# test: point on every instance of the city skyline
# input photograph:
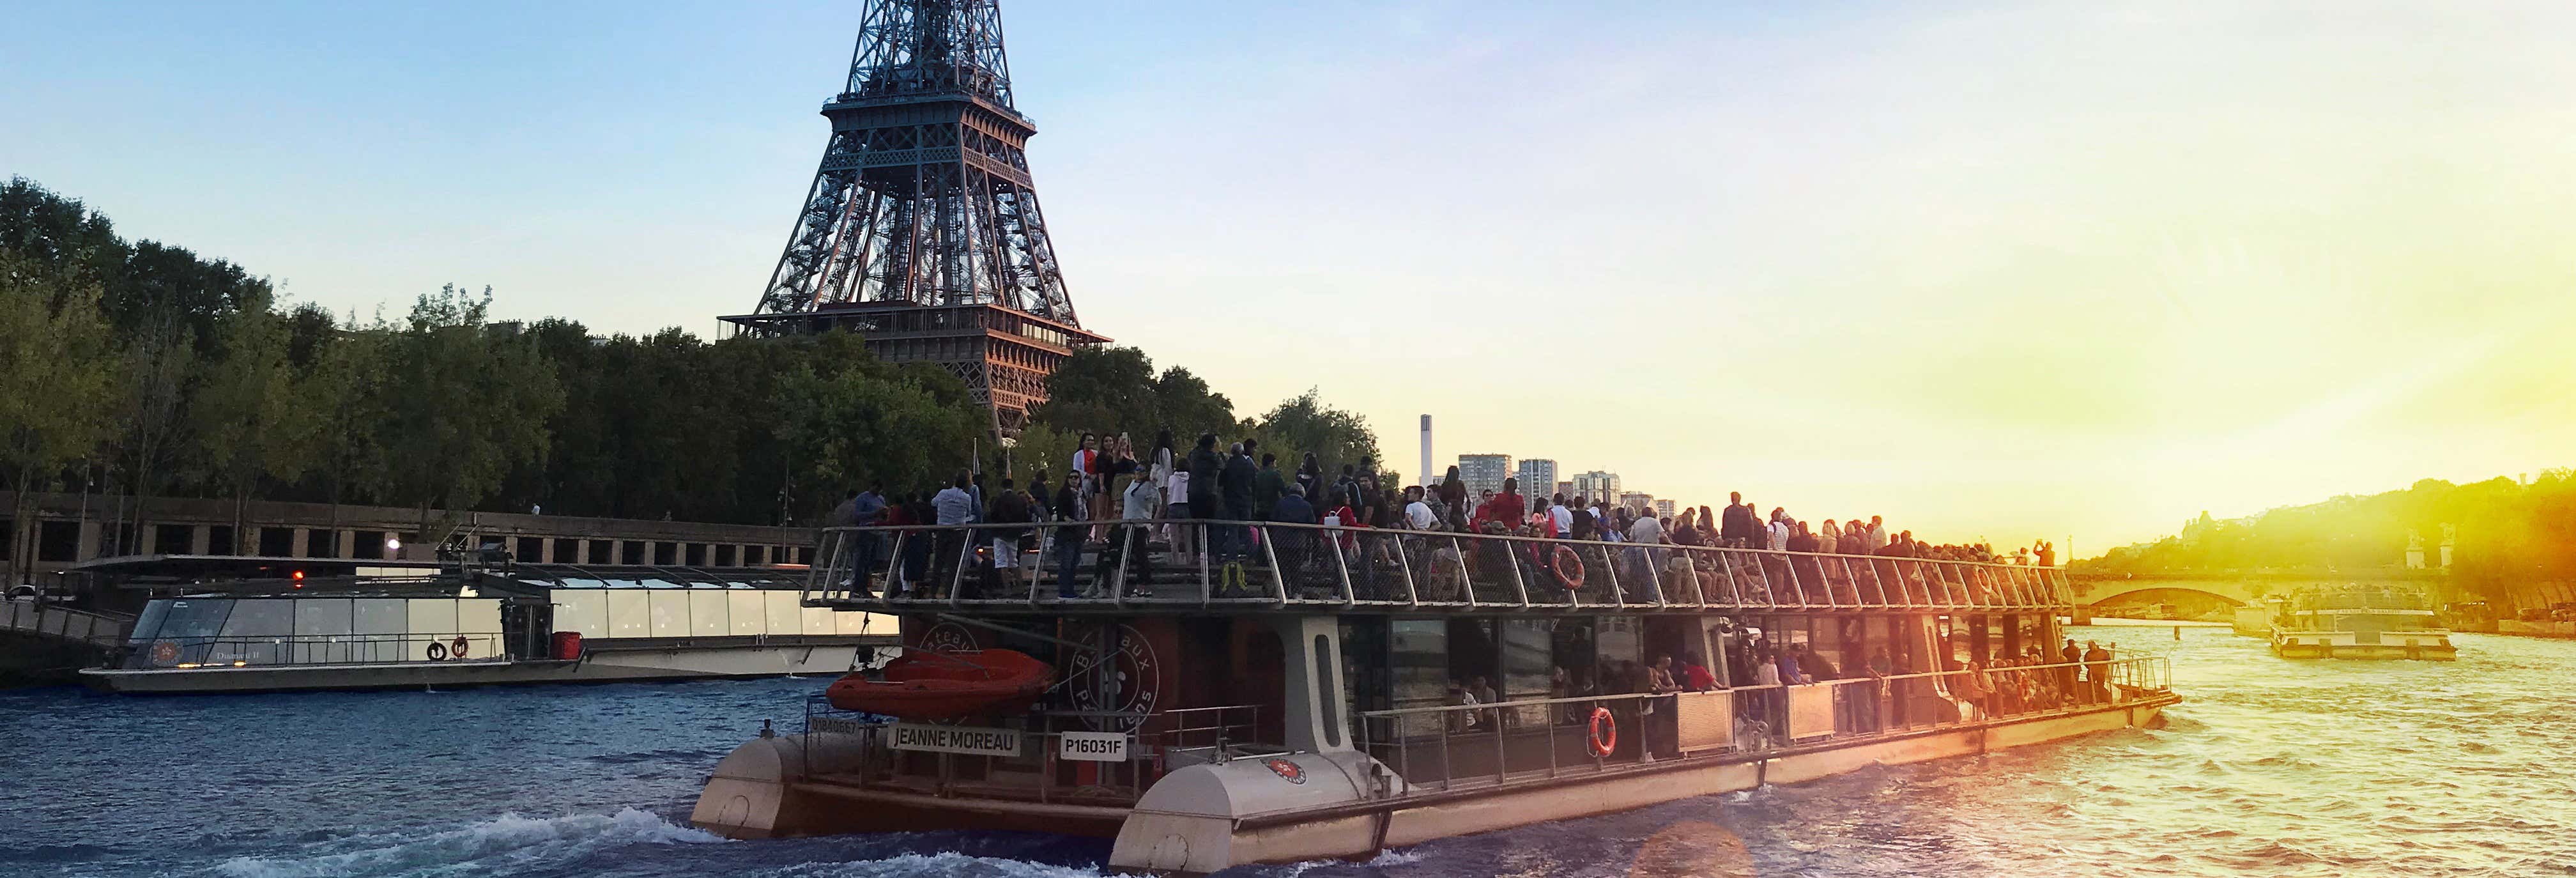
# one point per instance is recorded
(2026, 288)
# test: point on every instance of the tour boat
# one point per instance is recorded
(256, 624)
(1340, 691)
(2378, 621)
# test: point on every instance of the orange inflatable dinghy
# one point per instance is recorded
(920, 685)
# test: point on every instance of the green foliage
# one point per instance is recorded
(250, 422)
(57, 361)
(2508, 532)
(467, 402)
(1115, 390)
(184, 376)
(1303, 423)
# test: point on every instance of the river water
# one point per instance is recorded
(2269, 768)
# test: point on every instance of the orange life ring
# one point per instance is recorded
(457, 647)
(1568, 567)
(165, 653)
(1605, 732)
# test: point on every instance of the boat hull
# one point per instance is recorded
(608, 666)
(2343, 645)
(763, 791)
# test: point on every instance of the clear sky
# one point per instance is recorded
(2072, 269)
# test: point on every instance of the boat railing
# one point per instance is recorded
(300, 650)
(1444, 747)
(1251, 564)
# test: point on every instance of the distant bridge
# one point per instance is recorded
(2242, 589)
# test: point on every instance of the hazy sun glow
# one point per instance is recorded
(2064, 270)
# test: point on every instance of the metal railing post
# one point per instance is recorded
(1270, 549)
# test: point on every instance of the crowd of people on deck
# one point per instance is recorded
(1109, 480)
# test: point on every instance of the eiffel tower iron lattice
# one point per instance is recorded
(922, 229)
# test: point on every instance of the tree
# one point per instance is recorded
(851, 422)
(252, 422)
(56, 364)
(1115, 390)
(1303, 423)
(467, 402)
(348, 388)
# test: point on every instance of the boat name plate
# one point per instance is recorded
(967, 740)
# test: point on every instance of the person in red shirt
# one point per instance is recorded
(1508, 507)
(1696, 676)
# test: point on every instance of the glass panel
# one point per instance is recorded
(850, 623)
(479, 620)
(256, 633)
(669, 612)
(322, 627)
(377, 624)
(780, 607)
(748, 613)
(148, 624)
(433, 620)
(1618, 654)
(581, 609)
(629, 614)
(707, 613)
(1418, 652)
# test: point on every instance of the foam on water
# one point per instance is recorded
(505, 844)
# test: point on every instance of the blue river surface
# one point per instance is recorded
(2270, 767)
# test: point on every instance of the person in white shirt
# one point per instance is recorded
(1418, 514)
(1560, 518)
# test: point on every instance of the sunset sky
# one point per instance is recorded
(2074, 270)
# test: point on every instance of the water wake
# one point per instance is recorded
(503, 845)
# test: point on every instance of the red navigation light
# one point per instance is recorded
(299, 579)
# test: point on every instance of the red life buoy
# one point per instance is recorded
(1605, 732)
(1568, 566)
(457, 647)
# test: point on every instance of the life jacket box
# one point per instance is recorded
(567, 645)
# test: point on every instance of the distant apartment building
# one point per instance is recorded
(1537, 476)
(1639, 502)
(1663, 509)
(1484, 472)
(1593, 484)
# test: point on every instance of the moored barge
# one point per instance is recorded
(207, 624)
(1340, 690)
(2356, 621)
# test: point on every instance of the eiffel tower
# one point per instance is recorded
(922, 230)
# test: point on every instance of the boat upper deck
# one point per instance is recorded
(1197, 565)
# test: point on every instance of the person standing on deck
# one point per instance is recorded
(1560, 520)
(954, 505)
(1140, 502)
(1737, 526)
(2066, 674)
(1009, 507)
(1234, 489)
(1206, 468)
(2097, 671)
(1069, 507)
(1508, 506)
(1267, 486)
(1774, 701)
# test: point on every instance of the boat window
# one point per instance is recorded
(1529, 662)
(708, 614)
(147, 625)
(381, 622)
(1618, 653)
(1332, 720)
(195, 618)
(321, 630)
(1418, 657)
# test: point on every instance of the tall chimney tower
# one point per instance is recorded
(1426, 479)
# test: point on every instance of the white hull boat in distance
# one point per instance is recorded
(2359, 622)
(1331, 692)
(232, 624)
